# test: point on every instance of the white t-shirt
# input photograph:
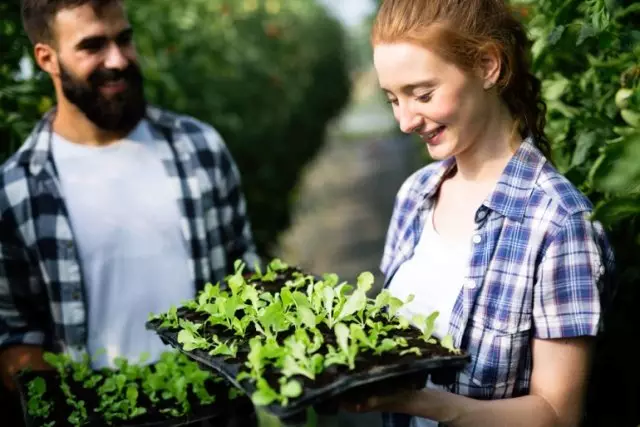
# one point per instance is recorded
(126, 223)
(434, 275)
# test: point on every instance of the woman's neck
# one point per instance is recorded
(484, 161)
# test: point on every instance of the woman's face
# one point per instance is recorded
(447, 107)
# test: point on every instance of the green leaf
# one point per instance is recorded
(583, 146)
(554, 89)
(342, 336)
(618, 170)
(555, 34)
(307, 316)
(615, 210)
(291, 389)
(587, 30)
(262, 398)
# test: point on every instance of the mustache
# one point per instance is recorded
(106, 75)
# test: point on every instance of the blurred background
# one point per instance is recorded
(290, 86)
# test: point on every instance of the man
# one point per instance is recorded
(111, 209)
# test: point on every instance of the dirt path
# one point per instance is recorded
(344, 206)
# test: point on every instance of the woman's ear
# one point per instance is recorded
(490, 66)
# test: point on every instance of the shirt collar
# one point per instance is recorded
(513, 190)
(36, 151)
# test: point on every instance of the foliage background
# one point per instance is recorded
(587, 52)
(269, 75)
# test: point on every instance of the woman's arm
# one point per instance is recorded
(558, 386)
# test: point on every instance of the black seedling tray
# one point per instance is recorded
(224, 411)
(373, 374)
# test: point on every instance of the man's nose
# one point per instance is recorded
(115, 58)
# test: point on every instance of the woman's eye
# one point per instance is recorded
(392, 101)
(425, 98)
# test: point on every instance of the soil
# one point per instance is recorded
(385, 372)
(152, 418)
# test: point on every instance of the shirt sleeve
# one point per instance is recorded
(235, 223)
(19, 321)
(573, 279)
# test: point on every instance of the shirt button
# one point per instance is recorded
(481, 214)
(471, 284)
(477, 238)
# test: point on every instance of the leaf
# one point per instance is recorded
(365, 281)
(583, 146)
(430, 324)
(291, 389)
(262, 398)
(132, 394)
(356, 302)
(447, 342)
(618, 169)
(554, 89)
(615, 210)
(342, 337)
(587, 30)
(307, 316)
(555, 34)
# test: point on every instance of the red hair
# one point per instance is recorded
(460, 32)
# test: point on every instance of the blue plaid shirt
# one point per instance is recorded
(539, 268)
(42, 295)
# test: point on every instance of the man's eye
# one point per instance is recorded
(93, 46)
(125, 39)
(392, 101)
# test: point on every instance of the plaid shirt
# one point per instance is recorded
(42, 295)
(539, 268)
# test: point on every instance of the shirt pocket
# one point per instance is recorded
(497, 356)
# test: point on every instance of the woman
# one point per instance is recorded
(490, 235)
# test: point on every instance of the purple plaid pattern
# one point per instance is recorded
(41, 291)
(539, 268)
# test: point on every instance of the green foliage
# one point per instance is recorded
(587, 52)
(298, 331)
(267, 74)
(167, 384)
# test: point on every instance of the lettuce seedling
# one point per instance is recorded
(190, 338)
(38, 406)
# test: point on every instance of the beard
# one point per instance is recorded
(120, 112)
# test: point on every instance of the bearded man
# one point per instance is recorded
(112, 208)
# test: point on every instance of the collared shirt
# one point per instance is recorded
(42, 294)
(539, 268)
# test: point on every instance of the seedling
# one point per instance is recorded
(306, 330)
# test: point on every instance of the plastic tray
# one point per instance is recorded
(222, 413)
(384, 378)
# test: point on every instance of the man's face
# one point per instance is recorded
(98, 68)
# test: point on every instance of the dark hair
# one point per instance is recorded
(460, 31)
(38, 15)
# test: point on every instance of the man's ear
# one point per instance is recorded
(490, 66)
(46, 58)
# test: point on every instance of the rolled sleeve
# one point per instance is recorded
(572, 274)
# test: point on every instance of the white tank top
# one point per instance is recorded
(434, 275)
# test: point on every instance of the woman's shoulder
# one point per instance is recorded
(557, 192)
